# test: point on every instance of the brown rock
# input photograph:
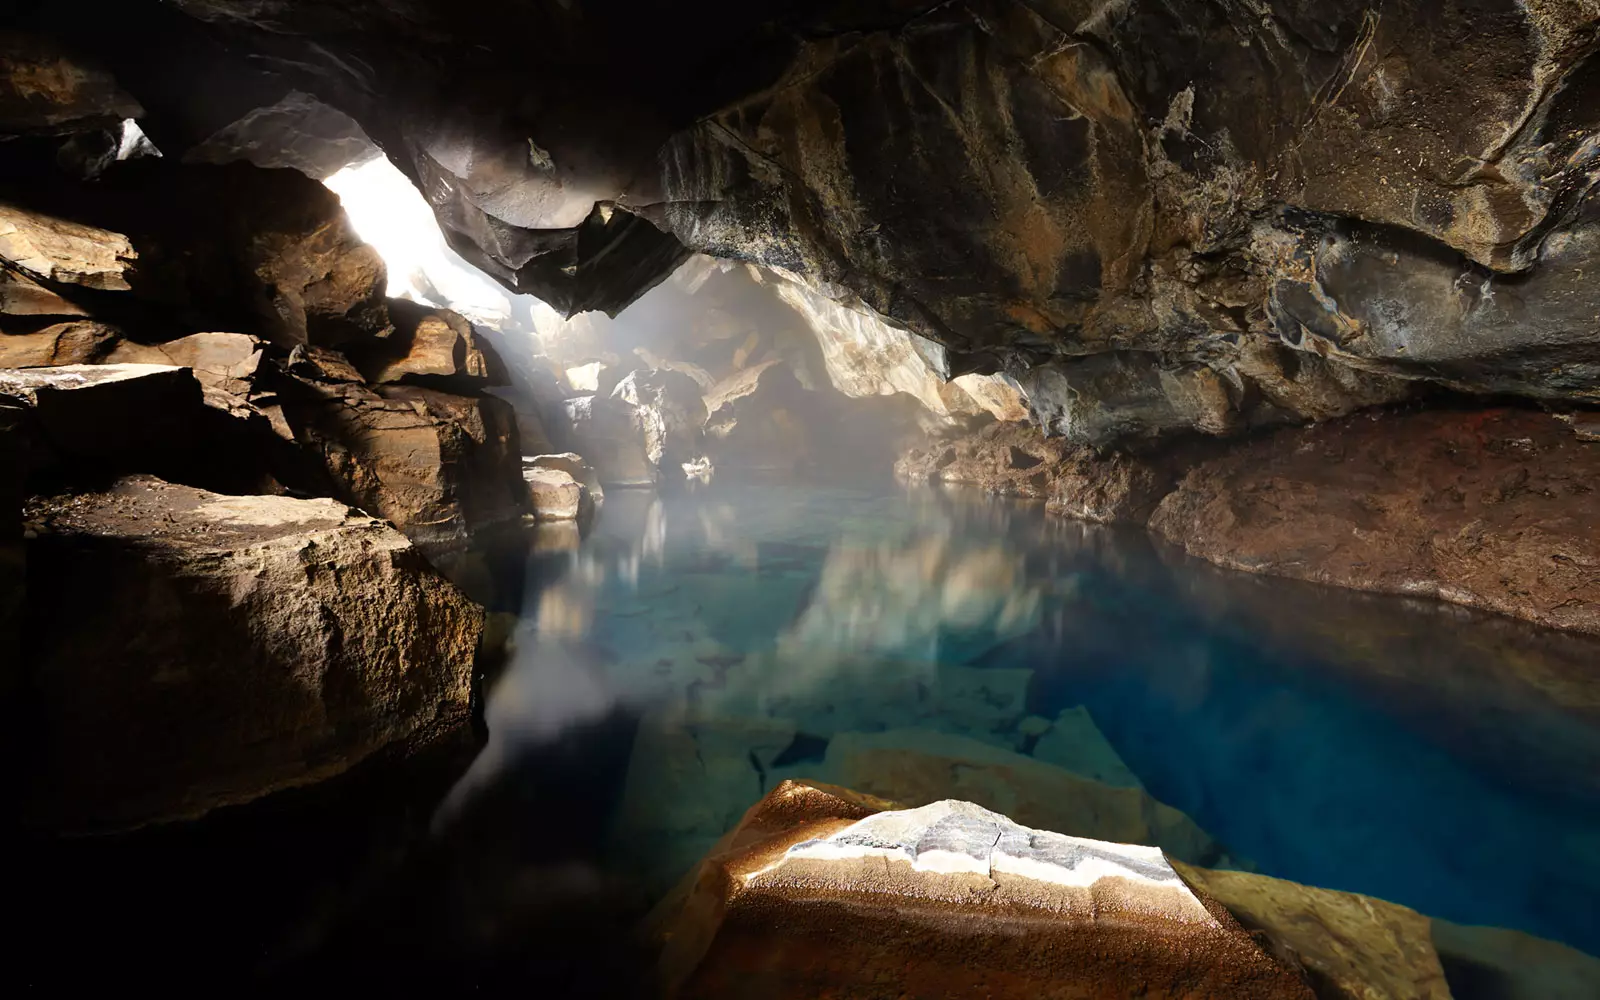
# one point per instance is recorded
(1493, 509)
(323, 364)
(438, 465)
(61, 250)
(45, 89)
(1500, 964)
(669, 414)
(428, 346)
(761, 418)
(781, 907)
(81, 343)
(20, 295)
(1354, 947)
(225, 361)
(1014, 459)
(236, 646)
(554, 495)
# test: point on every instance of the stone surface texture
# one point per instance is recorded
(819, 892)
(554, 495)
(234, 646)
(1493, 509)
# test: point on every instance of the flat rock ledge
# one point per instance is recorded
(189, 650)
(821, 892)
(1493, 509)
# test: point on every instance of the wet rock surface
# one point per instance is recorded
(238, 645)
(1485, 508)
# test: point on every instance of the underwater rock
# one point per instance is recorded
(825, 892)
(1353, 946)
(916, 767)
(239, 645)
(440, 466)
(1491, 509)
(1499, 964)
(1074, 742)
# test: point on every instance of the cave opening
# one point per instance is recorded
(927, 499)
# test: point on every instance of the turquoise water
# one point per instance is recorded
(695, 649)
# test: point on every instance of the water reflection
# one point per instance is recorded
(942, 645)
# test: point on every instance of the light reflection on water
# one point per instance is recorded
(1428, 755)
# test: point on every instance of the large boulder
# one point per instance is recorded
(762, 418)
(82, 342)
(65, 252)
(428, 347)
(234, 646)
(670, 414)
(553, 495)
(1491, 509)
(824, 892)
(440, 466)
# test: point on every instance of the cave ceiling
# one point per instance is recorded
(1206, 214)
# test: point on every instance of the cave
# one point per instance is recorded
(895, 499)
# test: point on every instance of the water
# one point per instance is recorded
(695, 649)
(1438, 758)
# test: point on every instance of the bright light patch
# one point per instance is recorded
(391, 214)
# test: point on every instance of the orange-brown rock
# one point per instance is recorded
(819, 892)
(1494, 509)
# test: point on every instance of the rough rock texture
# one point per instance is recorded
(573, 465)
(297, 132)
(1014, 459)
(602, 429)
(46, 89)
(1493, 509)
(1500, 964)
(438, 465)
(266, 252)
(236, 645)
(79, 343)
(669, 413)
(819, 893)
(428, 347)
(1354, 947)
(553, 495)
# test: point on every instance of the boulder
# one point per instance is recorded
(1491, 509)
(428, 347)
(237, 645)
(223, 361)
(553, 495)
(1016, 459)
(916, 767)
(21, 295)
(77, 343)
(670, 414)
(439, 466)
(603, 430)
(824, 892)
(63, 251)
(1499, 964)
(573, 465)
(1352, 946)
(761, 418)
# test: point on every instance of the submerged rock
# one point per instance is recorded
(1492, 509)
(821, 892)
(236, 646)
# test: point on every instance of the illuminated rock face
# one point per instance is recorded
(820, 892)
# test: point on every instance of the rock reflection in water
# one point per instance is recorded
(1075, 677)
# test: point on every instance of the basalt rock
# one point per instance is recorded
(440, 466)
(236, 646)
(762, 418)
(428, 347)
(1018, 460)
(47, 89)
(1490, 509)
(553, 494)
(820, 891)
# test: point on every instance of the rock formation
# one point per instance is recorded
(1491, 509)
(234, 646)
(819, 892)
